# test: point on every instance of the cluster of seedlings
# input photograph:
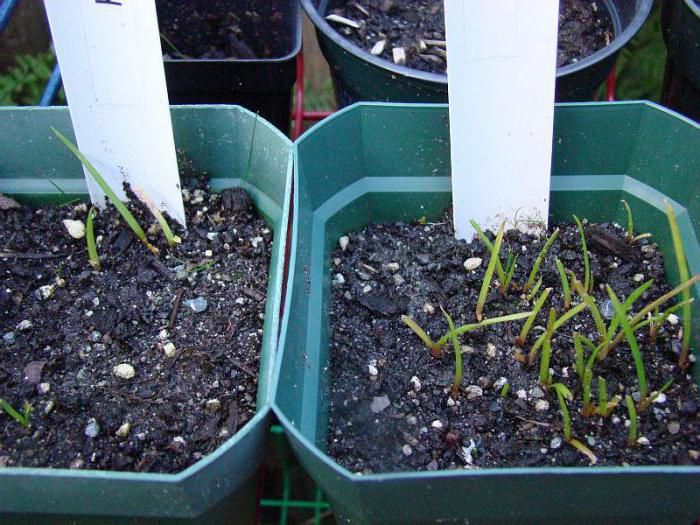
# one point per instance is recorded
(625, 321)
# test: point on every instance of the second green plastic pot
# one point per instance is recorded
(375, 163)
(220, 488)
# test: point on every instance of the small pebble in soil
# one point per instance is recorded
(379, 403)
(500, 382)
(372, 370)
(43, 388)
(44, 292)
(123, 430)
(339, 280)
(76, 229)
(607, 310)
(60, 282)
(472, 263)
(542, 405)
(521, 394)
(169, 349)
(124, 371)
(95, 336)
(212, 405)
(407, 450)
(428, 309)
(343, 242)
(415, 382)
(638, 277)
(197, 305)
(537, 393)
(672, 319)
(393, 266)
(643, 441)
(436, 424)
(398, 279)
(378, 47)
(491, 351)
(474, 392)
(411, 420)
(616, 420)
(674, 427)
(92, 429)
(9, 338)
(450, 402)
(555, 442)
(660, 399)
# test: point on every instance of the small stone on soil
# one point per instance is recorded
(436, 424)
(197, 305)
(76, 229)
(373, 371)
(379, 403)
(542, 405)
(43, 388)
(472, 263)
(44, 292)
(407, 450)
(123, 430)
(124, 371)
(537, 393)
(92, 429)
(95, 336)
(9, 338)
(555, 442)
(643, 441)
(491, 351)
(169, 349)
(213, 405)
(474, 392)
(415, 382)
(343, 242)
(674, 427)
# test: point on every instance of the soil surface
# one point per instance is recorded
(65, 328)
(584, 28)
(390, 403)
(215, 29)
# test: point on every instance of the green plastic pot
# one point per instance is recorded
(220, 488)
(375, 163)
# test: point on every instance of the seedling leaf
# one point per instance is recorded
(489, 273)
(90, 239)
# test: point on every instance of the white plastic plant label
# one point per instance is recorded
(112, 68)
(501, 66)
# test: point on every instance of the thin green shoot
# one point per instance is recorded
(170, 237)
(545, 376)
(631, 237)
(586, 264)
(64, 194)
(21, 418)
(564, 284)
(538, 262)
(588, 408)
(534, 290)
(683, 274)
(656, 321)
(578, 348)
(489, 246)
(90, 239)
(602, 397)
(435, 348)
(489, 273)
(172, 46)
(661, 390)
(641, 315)
(118, 204)
(511, 264)
(202, 266)
(632, 413)
(504, 390)
(593, 308)
(520, 340)
(486, 322)
(634, 347)
(559, 323)
(454, 391)
(564, 394)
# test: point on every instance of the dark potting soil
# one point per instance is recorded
(222, 29)
(584, 28)
(65, 328)
(390, 405)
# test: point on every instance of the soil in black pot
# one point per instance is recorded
(223, 29)
(390, 402)
(186, 324)
(584, 28)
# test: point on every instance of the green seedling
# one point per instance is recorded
(588, 409)
(504, 390)
(172, 46)
(656, 321)
(634, 347)
(632, 432)
(436, 346)
(564, 284)
(593, 308)
(520, 340)
(68, 202)
(534, 290)
(631, 237)
(511, 264)
(602, 397)
(489, 273)
(661, 390)
(545, 375)
(23, 418)
(587, 281)
(118, 204)
(458, 355)
(557, 325)
(538, 262)
(564, 394)
(170, 237)
(684, 274)
(90, 239)
(489, 246)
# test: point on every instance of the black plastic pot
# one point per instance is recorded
(680, 22)
(262, 85)
(360, 76)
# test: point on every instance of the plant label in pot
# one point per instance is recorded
(501, 95)
(112, 69)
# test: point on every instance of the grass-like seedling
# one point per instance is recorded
(118, 204)
(458, 355)
(602, 397)
(545, 375)
(435, 348)
(538, 262)
(511, 264)
(657, 320)
(485, 285)
(504, 390)
(629, 234)
(21, 418)
(489, 246)
(566, 290)
(593, 308)
(632, 413)
(90, 239)
(520, 340)
(588, 408)
(564, 394)
(535, 289)
(557, 325)
(587, 281)
(684, 274)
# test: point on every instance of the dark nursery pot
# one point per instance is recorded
(680, 23)
(262, 84)
(360, 76)
(394, 165)
(221, 487)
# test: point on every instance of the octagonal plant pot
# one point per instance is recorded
(221, 487)
(358, 75)
(394, 165)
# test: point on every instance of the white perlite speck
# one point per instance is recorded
(399, 56)
(76, 229)
(472, 263)
(343, 242)
(542, 405)
(124, 371)
(407, 450)
(474, 392)
(123, 431)
(415, 382)
(169, 349)
(378, 47)
(373, 371)
(436, 424)
(337, 19)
